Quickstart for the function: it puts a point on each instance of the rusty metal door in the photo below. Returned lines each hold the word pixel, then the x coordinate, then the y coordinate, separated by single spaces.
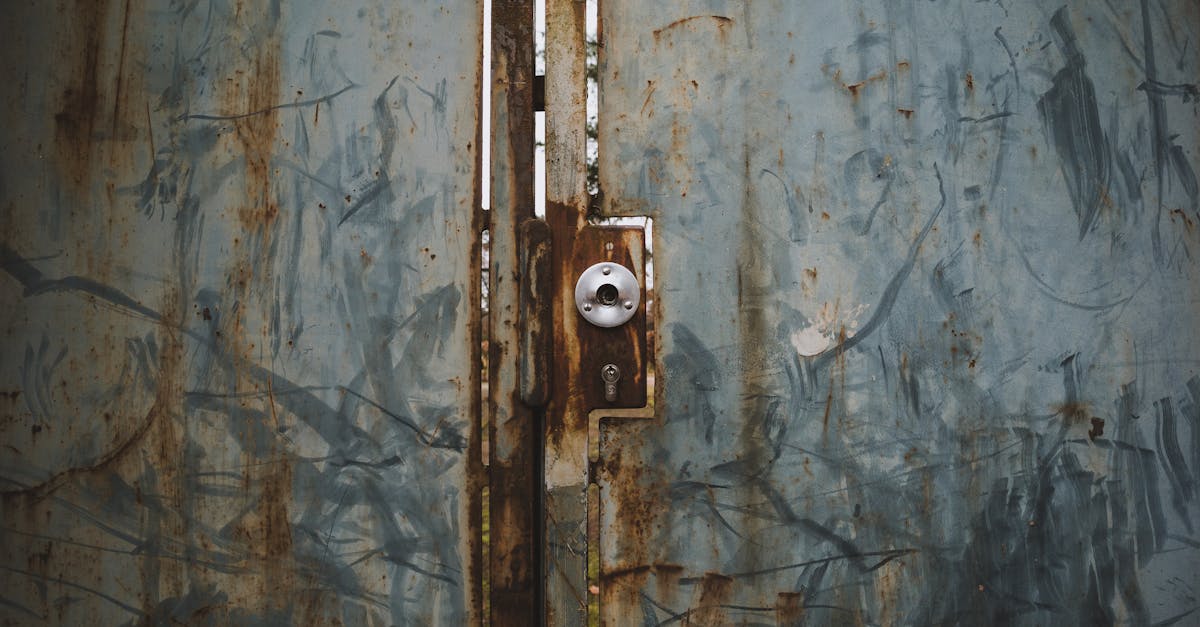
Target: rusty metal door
pixel 240 287
pixel 926 303
pixel 924 306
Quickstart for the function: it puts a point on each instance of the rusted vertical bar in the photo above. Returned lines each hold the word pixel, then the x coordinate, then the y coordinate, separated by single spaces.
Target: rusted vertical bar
pixel 566 418
pixel 515 428
pixel 477 477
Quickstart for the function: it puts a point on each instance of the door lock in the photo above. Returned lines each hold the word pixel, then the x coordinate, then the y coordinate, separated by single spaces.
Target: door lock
pixel 606 267
pixel 610 373
pixel 607 294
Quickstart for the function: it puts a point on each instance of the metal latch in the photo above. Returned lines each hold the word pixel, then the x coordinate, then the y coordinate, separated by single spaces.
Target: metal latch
pixel 604 273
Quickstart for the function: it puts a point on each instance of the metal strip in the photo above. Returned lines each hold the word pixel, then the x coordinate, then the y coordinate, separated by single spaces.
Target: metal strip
pixel 537 378
pixel 514 493
pixel 566 424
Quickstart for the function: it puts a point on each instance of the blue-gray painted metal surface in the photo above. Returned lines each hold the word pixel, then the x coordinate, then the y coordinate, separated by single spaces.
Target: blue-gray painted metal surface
pixel 927 289
pixel 236 269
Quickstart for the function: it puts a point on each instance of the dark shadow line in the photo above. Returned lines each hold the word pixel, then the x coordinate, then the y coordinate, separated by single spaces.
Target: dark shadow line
pixel 129 608
pixel 288 105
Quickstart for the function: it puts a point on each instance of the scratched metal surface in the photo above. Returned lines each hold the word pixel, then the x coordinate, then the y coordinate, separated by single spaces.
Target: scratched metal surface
pixel 237 288
pixel 927 281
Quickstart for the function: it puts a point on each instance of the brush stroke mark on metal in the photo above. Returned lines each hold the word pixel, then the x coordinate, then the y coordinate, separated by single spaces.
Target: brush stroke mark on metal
pixel 240 339
pixel 1072 122
pixel 951 388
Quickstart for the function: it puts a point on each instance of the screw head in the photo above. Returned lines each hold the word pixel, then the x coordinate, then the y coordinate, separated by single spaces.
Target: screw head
pixel 587 306
pixel 628 304
pixel 606 270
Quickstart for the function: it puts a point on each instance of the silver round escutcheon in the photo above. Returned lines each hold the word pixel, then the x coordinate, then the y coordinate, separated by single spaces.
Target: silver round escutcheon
pixel 607 294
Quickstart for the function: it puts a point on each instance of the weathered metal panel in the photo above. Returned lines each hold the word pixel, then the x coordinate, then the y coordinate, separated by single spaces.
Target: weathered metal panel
pixel 514 544
pixel 927 297
pixel 240 312
pixel 565 457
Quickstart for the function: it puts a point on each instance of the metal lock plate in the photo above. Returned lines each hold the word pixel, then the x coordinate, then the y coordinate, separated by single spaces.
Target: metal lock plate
pixel 622 248
pixel 607 294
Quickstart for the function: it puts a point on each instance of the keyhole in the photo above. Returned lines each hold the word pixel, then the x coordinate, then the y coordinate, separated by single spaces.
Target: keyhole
pixel 607 295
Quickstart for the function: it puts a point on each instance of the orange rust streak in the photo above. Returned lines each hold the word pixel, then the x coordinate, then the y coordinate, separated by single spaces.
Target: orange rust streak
pixel 75 121
pixel 721 21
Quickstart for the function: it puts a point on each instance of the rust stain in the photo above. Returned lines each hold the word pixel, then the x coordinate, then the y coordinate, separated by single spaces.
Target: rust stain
pixel 276 530
pixel 516 590
pixel 1097 429
pixel 721 21
pixel 166 448
pixel 666 580
pixel 1187 221
pixel 908 113
pixel 855 89
pixel 80 102
pixel 1107 206
pixel 650 87
pixel 257 136
pixel 637 500
pixel 970 82
pixel 1074 412
pixel 808 281
pixel 715 589
pixel 789 609
pixel 252 93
